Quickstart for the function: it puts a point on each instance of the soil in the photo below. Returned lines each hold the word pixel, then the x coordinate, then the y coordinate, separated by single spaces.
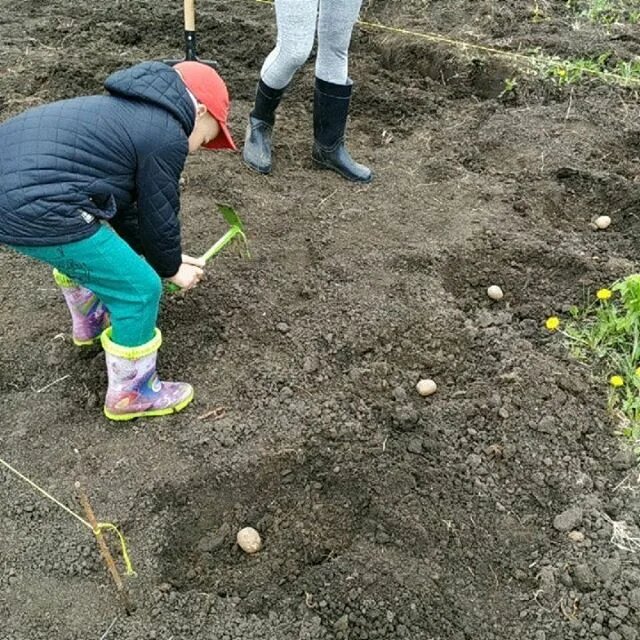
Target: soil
pixel 383 514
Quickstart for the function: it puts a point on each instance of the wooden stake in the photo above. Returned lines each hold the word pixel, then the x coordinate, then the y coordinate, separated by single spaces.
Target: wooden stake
pixel 104 550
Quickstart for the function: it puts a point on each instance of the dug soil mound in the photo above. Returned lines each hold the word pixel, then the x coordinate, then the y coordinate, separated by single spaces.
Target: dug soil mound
pixel 502 506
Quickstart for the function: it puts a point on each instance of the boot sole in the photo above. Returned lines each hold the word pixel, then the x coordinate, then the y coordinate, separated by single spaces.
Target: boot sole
pixel 330 167
pixel 121 417
pixel 265 171
pixel 86 343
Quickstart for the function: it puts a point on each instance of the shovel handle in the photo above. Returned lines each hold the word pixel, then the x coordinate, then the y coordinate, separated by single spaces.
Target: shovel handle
pixel 189 15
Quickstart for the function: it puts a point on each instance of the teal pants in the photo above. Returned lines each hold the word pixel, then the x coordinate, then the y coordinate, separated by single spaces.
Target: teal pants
pixel 122 280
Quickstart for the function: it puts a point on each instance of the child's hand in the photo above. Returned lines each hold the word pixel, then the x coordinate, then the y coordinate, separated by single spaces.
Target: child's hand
pixel 188 276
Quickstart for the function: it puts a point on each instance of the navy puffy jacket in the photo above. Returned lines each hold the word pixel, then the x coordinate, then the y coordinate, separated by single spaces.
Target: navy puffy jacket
pixel 118 157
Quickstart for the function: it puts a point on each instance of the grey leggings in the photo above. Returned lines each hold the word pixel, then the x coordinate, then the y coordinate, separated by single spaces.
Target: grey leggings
pixel 296 22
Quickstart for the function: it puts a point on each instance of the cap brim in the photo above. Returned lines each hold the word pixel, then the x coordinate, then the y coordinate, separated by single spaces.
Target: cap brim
pixel 223 140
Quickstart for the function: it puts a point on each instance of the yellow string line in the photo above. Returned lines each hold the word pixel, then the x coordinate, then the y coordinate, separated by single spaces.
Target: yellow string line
pixel 46 495
pixel 123 545
pixel 96 532
pixel 462 44
pixel 434 37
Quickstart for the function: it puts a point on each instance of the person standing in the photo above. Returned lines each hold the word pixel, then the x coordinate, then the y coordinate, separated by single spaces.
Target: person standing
pixel 296 23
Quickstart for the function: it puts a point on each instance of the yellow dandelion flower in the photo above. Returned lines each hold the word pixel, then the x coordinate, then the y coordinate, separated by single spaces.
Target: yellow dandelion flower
pixel 638 371
pixel 552 323
pixel 604 294
pixel 616 381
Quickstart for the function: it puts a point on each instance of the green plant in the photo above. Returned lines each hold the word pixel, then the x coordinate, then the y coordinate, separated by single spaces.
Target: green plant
pixel 510 86
pixel 537 13
pixel 572 71
pixel 606 334
pixel 628 69
pixel 607 11
pixel 533 61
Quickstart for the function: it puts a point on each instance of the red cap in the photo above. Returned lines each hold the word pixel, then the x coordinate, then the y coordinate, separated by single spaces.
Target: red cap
pixel 210 90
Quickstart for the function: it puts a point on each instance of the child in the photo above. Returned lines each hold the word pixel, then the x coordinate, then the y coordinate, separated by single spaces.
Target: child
pixel 91 186
pixel 297 22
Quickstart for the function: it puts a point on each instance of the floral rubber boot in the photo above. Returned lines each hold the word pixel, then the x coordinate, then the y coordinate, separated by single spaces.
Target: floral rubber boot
pixel 134 387
pixel 89 316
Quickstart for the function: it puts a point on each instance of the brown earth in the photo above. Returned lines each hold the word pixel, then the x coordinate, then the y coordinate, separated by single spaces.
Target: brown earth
pixel 384 515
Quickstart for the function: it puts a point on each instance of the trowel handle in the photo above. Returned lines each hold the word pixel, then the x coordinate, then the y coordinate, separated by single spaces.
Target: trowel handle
pixel 220 244
pixel 189 15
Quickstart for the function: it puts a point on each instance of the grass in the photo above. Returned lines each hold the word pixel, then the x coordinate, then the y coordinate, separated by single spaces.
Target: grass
pixel 625 73
pixel 606 334
pixel 607 11
pixel 572 71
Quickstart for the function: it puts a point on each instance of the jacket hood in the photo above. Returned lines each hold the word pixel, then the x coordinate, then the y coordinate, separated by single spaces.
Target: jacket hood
pixel 155 83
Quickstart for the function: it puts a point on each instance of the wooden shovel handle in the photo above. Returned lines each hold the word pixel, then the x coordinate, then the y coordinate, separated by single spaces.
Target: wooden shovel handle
pixel 189 15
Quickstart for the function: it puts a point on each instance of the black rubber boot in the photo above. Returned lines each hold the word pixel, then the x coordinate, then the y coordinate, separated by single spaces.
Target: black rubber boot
pixel 330 110
pixel 257 143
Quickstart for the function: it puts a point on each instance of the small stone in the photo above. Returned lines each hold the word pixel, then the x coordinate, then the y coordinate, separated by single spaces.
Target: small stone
pixel 382 537
pixel 474 460
pixel 566 579
pixel 399 394
pixel 406 417
pixel 92 400
pixel 620 611
pixel 634 599
pixel 210 543
pixel 547 424
pixel 342 623
pixel 415 446
pixel 540 635
pixel 426 387
pixel 547 581
pixel 602 222
pixel 584 578
pixel 607 570
pixel 282 327
pixel 310 364
pixel 495 292
pixel 624 459
pixel 576 536
pixel 520 206
pixel 568 519
pixel 252 603
pixel 628 633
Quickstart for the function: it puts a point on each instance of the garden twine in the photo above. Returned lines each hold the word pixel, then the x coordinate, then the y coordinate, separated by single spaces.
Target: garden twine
pixel 97 531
